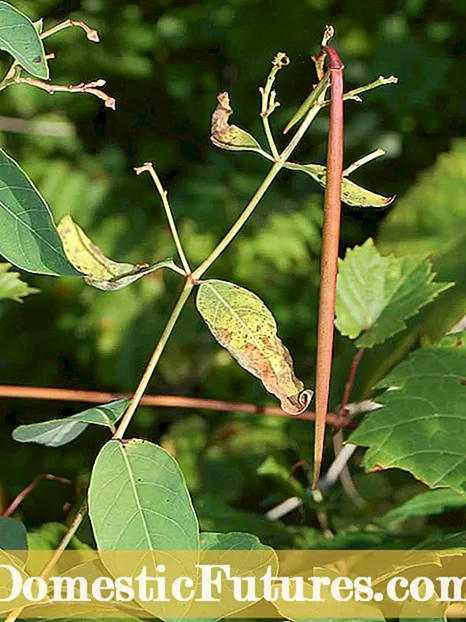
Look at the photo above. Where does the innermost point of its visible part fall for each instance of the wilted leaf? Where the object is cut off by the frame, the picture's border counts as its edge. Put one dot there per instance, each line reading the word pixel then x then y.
pixel 423 419
pixel 29 237
pixel 227 136
pixel 376 294
pixel 58 432
pixel 11 285
pixel 243 325
pixel 19 37
pixel 101 272
pixel 351 193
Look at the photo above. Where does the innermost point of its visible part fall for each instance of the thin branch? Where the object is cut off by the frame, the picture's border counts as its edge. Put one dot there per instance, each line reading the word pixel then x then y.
pixel 329 262
pixel 91 34
pixel 159 401
pixel 11 509
pixel 91 88
pixel 268 102
pixel 148 166
pixel 362 161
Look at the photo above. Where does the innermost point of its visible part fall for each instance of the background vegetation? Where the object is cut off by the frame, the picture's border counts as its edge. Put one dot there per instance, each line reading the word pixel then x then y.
pixel 165 62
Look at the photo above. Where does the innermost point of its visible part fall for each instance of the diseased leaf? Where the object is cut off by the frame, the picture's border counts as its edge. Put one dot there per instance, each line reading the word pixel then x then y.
pixel 351 193
pixel 101 272
pixel 29 237
pixel 243 325
pixel 227 136
pixel 11 285
pixel 58 432
pixel 20 38
pixel 376 295
pixel 423 419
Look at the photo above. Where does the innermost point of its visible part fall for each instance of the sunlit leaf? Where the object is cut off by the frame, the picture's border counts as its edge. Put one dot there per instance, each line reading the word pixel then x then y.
pixel 317 92
pixel 58 432
pixel 227 136
pixel 138 500
pixel 243 325
pixel 20 38
pixel 11 285
pixel 423 419
pixel 376 295
pixel 101 272
pixel 29 237
pixel 351 193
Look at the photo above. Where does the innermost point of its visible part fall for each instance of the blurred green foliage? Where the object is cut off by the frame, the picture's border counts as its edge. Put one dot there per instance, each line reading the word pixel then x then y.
pixel 165 61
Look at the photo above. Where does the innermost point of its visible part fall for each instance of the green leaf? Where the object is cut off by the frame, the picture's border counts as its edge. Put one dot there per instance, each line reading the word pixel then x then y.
pixel 100 271
pixel 243 325
pixel 376 295
pixel 13 535
pixel 29 238
pixel 58 432
pixel 351 193
pixel 19 37
pixel 423 416
pixel 227 136
pixel 311 100
pixel 138 500
pixel 433 211
pixel 428 503
pixel 11 285
pixel 49 536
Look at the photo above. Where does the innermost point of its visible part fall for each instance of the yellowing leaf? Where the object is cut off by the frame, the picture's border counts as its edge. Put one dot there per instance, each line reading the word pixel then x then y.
pixel 98 270
pixel 243 325
pixel 351 193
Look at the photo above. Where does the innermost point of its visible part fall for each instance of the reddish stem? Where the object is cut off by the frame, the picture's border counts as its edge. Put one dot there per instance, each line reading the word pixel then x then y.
pixel 350 382
pixel 11 509
pixel 329 265
pixel 169 401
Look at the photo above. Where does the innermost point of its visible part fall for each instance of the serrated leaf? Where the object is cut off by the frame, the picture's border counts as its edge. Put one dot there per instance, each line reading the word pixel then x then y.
pixel 138 500
pixel 376 295
pixel 19 37
pixel 351 193
pixel 242 324
pixel 427 503
pixel 58 432
pixel 418 428
pixel 227 136
pixel 29 237
pixel 101 272
pixel 11 285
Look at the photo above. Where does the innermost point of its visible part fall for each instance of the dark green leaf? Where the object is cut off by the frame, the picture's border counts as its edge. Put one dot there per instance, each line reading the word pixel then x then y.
pixel 19 37
pixel 13 535
pixel 423 417
pixel 29 238
pixel 426 504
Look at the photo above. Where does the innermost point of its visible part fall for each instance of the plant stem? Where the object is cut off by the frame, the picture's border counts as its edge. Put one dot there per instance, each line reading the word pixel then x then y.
pixel 351 378
pixel 329 264
pixel 11 509
pixel 276 168
pixel 166 205
pixel 73 528
pixel 182 299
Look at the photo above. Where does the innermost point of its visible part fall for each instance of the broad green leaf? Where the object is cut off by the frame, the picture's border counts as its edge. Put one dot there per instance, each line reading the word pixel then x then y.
pixel 423 419
pixel 376 295
pixel 20 38
pixel 138 500
pixel 433 211
pixel 49 535
pixel 58 432
pixel 427 503
pixel 100 271
pixel 11 285
pixel 29 238
pixel 351 193
pixel 227 136
pixel 243 325
pixel 13 535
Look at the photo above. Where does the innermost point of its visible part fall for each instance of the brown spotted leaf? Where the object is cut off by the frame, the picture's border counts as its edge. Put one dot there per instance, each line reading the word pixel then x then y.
pixel 242 324
pixel 227 136
pixel 351 193
pixel 97 269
